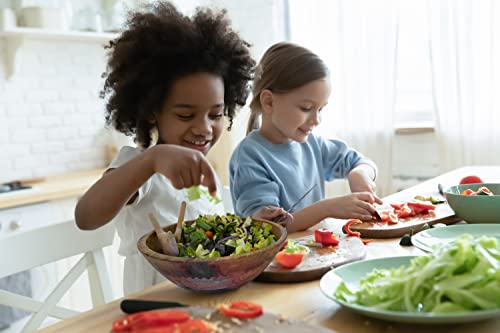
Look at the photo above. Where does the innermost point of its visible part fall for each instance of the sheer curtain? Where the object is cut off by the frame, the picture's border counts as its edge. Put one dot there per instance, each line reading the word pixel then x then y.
pixel 464 37
pixel 358 41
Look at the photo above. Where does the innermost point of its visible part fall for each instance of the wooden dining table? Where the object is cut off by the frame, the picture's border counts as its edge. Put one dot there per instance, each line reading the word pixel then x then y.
pixel 303 301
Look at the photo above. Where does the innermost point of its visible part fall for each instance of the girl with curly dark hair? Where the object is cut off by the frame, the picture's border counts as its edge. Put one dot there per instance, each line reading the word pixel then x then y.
pixel 170 81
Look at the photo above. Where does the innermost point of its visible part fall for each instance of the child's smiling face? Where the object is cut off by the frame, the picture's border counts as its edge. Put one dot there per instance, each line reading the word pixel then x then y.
pixel 293 115
pixel 193 112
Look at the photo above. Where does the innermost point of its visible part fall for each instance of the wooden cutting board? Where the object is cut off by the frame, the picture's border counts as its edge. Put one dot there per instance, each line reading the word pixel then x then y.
pixel 376 229
pixel 316 263
pixel 268 322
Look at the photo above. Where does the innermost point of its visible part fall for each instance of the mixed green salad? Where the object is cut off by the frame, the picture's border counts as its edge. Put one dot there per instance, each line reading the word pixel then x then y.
pixel 213 236
pixel 463 275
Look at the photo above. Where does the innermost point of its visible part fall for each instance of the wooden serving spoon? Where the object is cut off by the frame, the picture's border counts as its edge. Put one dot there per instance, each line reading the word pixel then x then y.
pixel 180 220
pixel 166 239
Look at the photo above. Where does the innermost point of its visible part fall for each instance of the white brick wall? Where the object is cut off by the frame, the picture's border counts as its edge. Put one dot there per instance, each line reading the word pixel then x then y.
pixel 51 116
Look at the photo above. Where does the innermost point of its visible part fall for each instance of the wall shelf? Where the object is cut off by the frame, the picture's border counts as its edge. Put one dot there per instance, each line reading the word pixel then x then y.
pixel 57 34
pixel 14 38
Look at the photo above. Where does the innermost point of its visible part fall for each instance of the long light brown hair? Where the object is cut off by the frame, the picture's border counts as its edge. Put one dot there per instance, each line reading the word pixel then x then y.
pixel 283 68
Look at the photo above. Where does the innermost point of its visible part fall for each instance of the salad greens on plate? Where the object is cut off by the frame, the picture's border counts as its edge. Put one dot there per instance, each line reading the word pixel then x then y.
pixel 461 276
pixel 213 236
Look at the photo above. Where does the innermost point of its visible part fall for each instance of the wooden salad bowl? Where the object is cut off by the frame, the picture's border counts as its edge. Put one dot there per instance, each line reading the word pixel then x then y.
pixel 211 275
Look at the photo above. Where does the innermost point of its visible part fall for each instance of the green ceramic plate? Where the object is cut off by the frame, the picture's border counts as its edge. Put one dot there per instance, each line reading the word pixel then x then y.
pixel 428 239
pixel 352 274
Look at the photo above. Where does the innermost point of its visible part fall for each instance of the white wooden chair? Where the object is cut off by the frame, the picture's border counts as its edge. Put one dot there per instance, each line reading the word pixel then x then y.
pixel 33 248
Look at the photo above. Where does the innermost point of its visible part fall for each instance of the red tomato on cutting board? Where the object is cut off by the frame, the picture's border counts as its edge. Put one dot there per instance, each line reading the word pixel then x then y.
pixel 471 180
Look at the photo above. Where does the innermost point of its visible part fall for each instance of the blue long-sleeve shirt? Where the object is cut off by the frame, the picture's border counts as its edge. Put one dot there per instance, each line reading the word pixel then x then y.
pixel 267 174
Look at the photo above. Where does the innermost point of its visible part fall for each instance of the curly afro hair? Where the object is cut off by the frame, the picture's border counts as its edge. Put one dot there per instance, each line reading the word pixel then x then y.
pixel 161 45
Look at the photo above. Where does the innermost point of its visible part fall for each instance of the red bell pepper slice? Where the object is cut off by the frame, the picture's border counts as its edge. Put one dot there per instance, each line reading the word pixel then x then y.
pixel 325 237
pixel 346 228
pixel 397 206
pixel 241 310
pixel 422 205
pixel 389 217
pixel 193 326
pixel 405 212
pixel 156 329
pixel 149 319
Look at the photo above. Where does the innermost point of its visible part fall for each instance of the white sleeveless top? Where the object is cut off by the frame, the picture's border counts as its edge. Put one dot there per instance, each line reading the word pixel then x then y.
pixel 157 196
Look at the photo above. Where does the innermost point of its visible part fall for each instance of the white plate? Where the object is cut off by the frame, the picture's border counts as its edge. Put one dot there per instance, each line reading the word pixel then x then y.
pixel 429 239
pixel 352 274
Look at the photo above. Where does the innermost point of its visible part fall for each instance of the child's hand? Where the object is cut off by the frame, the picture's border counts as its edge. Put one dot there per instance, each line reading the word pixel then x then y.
pixel 271 213
pixel 360 181
pixel 184 167
pixel 353 206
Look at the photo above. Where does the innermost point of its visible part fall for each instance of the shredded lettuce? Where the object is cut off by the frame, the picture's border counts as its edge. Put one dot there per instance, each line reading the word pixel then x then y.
pixel 463 275
pixel 196 192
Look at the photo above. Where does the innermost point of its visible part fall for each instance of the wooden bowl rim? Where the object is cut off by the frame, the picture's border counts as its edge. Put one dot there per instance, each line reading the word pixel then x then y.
pixel 145 250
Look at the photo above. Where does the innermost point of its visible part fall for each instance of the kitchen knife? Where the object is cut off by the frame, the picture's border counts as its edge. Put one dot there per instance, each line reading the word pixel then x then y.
pixel 281 217
pixel 137 305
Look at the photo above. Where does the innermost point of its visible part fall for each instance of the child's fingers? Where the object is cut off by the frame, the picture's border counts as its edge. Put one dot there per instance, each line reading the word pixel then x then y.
pixel 208 177
pixel 367 197
pixel 195 176
pixel 186 178
pixel 378 200
pixel 366 208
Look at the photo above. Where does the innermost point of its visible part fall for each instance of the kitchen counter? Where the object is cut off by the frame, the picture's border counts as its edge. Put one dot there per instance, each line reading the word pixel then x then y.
pixel 302 301
pixel 53 188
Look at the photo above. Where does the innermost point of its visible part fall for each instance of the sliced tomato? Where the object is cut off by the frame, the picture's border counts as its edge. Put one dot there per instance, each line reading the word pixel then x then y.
pixel 468 192
pixel 241 310
pixel 193 326
pixel 483 190
pixel 289 260
pixel 147 319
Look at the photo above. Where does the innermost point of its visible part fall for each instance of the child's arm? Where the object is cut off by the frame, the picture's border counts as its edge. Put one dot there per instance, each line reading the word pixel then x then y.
pixel 184 167
pixel 351 206
pixel 362 179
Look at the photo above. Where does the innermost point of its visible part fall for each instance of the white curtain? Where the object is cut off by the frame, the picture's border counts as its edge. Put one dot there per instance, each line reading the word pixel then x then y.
pixel 464 37
pixel 358 41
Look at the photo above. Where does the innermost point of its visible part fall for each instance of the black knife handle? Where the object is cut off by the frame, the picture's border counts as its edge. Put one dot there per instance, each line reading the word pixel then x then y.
pixel 137 305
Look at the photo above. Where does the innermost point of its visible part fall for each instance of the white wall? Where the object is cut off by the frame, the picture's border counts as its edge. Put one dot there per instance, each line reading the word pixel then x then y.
pixel 51 116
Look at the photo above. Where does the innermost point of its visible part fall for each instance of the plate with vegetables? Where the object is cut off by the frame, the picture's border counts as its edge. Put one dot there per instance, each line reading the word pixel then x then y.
pixel 457 283
pixel 237 316
pixel 430 239
pixel 310 257
pixel 398 217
